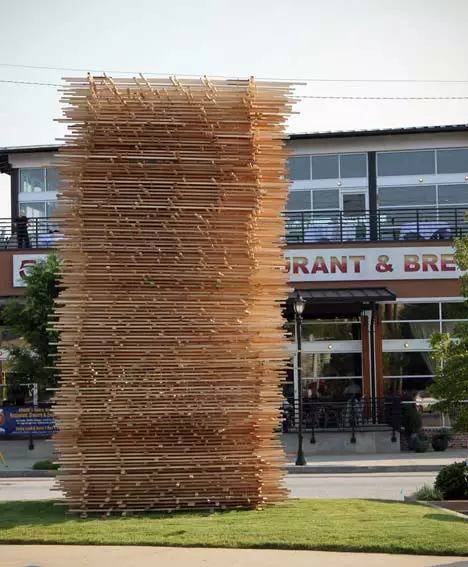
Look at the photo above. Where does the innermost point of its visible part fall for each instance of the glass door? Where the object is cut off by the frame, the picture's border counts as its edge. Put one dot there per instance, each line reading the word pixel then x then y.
pixel 355 220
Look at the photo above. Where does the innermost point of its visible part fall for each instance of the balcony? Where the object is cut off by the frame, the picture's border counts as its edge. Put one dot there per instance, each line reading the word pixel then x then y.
pixel 410 224
pixel 40 233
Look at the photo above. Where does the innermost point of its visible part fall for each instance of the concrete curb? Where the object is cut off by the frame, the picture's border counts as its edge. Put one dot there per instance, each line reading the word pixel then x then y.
pixel 12 473
pixel 360 469
pixel 290 469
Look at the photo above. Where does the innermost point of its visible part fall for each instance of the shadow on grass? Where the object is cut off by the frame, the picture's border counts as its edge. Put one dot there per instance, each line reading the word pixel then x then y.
pixel 447 518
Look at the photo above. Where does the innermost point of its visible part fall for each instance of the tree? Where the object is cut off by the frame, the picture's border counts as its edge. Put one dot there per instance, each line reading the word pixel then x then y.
pixel 450 384
pixel 30 318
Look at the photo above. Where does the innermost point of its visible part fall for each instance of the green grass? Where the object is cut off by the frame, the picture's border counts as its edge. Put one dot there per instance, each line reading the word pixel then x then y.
pixel 339 525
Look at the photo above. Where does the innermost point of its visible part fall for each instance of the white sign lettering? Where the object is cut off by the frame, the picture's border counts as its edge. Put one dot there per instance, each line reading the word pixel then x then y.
pixel 346 264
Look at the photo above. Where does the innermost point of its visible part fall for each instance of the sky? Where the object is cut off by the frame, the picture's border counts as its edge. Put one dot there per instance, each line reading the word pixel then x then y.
pixel 336 48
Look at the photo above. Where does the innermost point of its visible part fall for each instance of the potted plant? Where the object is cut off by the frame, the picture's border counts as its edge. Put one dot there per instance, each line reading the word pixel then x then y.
pixel 440 440
pixel 419 442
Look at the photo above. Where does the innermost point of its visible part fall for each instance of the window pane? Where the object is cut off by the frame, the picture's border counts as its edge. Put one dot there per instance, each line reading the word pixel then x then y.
pixel 406 163
pixel 353 165
pixel 407 195
pixel 455 310
pixel 299 168
pixel 406 388
pixel 52 179
pixel 33 209
pixel 326 199
pixel 453 194
pixel 413 330
pixel 452 161
pixel 298 201
pixel 328 331
pixel 51 206
pixel 331 365
pixel 354 204
pixel 324 167
pixel 32 180
pixel 407 364
pixel 410 311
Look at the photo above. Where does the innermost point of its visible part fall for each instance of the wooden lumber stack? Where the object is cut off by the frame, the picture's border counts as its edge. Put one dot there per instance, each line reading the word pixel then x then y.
pixel 172 351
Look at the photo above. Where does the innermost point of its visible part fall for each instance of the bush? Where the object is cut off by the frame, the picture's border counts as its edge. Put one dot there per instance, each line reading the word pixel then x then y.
pixel 428 493
pixel 45 466
pixel 440 441
pixel 452 483
pixel 419 442
pixel 411 420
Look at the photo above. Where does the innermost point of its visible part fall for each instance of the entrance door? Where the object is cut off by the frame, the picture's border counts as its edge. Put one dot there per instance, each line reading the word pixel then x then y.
pixel 355 219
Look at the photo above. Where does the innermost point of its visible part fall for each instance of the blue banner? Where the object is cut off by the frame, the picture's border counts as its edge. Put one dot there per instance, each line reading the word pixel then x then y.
pixel 26 421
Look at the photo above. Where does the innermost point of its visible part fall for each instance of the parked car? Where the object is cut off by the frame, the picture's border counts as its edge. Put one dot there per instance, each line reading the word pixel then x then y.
pixel 424 401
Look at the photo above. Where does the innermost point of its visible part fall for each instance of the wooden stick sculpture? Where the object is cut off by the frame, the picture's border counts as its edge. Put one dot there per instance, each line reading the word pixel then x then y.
pixel 171 351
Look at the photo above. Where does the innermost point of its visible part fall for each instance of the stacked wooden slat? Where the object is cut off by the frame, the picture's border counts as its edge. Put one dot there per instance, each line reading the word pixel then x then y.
pixel 171 351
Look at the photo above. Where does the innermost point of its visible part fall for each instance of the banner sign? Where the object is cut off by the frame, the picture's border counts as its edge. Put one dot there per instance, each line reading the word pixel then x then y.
pixel 26 421
pixel 20 265
pixel 346 264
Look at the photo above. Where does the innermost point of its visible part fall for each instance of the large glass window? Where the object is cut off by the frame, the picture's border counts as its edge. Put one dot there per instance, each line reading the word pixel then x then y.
pixel 329 330
pixel 455 194
pixel 406 163
pixel 32 181
pixel 299 168
pixel 452 161
pixel 325 167
pixel 331 365
pixel 353 165
pixel 298 201
pixel 326 199
pixel 398 364
pixel 38 209
pixel 415 195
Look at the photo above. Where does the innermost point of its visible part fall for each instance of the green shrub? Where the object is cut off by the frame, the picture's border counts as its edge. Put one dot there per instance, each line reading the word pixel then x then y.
pixel 411 420
pixel 428 493
pixel 452 483
pixel 45 466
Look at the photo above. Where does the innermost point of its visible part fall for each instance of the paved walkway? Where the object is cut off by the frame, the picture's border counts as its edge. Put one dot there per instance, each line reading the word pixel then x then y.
pixel 394 462
pixel 77 556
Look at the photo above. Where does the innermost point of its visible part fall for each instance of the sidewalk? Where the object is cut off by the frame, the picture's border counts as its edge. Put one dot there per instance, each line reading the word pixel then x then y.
pixel 378 463
pixel 67 556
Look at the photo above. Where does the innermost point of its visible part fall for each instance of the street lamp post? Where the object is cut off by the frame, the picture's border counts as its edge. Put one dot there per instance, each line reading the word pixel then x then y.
pixel 299 305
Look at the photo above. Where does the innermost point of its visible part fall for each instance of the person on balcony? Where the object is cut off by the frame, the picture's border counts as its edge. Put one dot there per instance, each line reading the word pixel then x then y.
pixel 22 223
pixel 354 405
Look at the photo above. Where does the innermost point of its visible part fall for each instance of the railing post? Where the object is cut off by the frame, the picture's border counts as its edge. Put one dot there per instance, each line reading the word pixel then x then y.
pixel 353 420
pixel 341 226
pixel 394 423
pixel 302 227
pixel 455 225
pixel 417 222
pixel 312 412
pixel 37 233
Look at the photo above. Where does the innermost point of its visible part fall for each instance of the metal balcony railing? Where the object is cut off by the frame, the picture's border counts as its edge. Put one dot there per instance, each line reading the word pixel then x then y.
pixel 351 415
pixel 38 233
pixel 387 224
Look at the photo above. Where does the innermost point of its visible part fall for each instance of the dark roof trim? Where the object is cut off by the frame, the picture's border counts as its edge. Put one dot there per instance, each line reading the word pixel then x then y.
pixel 383 132
pixel 29 149
pixel 344 295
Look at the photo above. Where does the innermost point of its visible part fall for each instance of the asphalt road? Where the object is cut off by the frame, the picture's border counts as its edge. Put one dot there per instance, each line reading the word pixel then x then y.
pixel 385 486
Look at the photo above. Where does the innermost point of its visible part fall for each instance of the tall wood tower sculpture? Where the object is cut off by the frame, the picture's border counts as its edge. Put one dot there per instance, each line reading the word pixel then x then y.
pixel 171 350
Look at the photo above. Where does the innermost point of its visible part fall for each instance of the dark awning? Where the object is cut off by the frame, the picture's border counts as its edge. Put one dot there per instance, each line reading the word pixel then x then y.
pixel 344 295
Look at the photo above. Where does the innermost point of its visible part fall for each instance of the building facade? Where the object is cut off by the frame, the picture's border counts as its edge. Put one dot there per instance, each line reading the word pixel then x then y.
pixel 371 220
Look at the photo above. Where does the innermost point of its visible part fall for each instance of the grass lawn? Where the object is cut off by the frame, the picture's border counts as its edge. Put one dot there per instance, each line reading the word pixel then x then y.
pixel 339 525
